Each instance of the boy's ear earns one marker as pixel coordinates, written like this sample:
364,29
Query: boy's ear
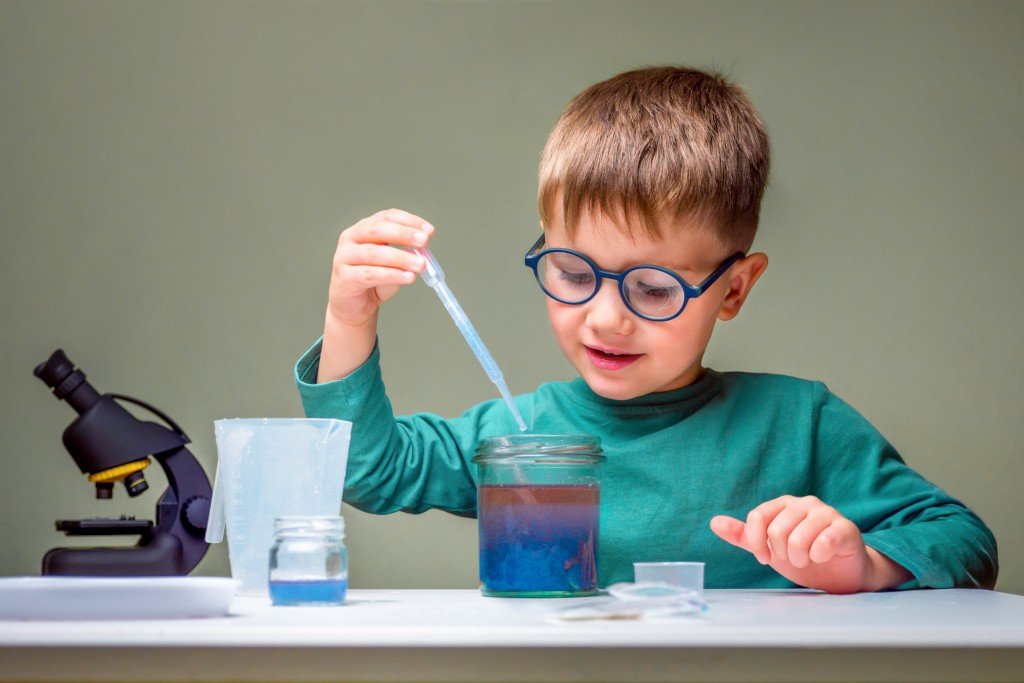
744,274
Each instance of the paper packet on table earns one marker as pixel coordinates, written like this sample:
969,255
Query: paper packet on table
634,601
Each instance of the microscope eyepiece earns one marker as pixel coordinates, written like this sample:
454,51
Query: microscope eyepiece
67,382
54,369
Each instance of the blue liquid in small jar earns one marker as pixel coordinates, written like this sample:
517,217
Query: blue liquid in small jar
312,592
308,561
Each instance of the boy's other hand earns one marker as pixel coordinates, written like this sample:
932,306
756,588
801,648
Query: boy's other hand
369,267
812,545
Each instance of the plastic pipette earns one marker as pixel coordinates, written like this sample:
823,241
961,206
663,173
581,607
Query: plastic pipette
433,276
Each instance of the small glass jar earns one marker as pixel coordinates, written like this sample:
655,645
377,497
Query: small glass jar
538,502
308,561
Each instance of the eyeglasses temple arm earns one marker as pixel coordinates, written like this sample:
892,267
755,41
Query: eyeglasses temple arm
710,279
535,247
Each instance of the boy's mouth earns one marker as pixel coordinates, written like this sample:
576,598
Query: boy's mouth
604,360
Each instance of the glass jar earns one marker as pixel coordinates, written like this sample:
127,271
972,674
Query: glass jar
538,501
308,561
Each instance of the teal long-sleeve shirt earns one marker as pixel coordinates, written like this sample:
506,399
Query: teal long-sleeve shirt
675,459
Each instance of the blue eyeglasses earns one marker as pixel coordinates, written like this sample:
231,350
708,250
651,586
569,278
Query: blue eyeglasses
651,292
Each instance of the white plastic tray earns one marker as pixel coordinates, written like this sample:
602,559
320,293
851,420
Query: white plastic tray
87,598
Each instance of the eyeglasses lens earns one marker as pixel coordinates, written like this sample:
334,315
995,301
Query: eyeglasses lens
654,293
566,277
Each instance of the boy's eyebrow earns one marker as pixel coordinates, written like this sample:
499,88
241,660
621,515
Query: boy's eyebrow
671,266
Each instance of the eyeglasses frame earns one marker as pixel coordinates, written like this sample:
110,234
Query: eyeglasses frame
532,260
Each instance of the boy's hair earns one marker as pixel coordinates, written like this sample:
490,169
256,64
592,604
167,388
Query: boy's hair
659,142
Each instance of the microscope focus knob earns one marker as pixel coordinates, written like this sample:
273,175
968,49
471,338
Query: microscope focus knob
195,513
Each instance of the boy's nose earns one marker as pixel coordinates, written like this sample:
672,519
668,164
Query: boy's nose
607,312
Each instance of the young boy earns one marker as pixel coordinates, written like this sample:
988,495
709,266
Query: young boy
650,190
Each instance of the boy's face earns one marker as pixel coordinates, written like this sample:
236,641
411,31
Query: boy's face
648,356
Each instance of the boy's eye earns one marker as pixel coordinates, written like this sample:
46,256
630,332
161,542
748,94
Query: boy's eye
577,279
567,276
654,295
653,292
656,292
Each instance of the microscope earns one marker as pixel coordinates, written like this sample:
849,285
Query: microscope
110,445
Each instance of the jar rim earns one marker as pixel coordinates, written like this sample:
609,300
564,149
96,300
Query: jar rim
547,448
325,525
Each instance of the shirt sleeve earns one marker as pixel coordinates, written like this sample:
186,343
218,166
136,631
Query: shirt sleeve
900,513
410,463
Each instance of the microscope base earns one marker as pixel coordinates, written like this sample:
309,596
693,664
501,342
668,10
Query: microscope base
160,556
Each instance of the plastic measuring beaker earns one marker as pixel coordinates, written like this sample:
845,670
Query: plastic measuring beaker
269,468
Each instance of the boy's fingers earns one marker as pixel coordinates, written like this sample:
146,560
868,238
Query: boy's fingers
756,532
802,538
385,256
779,530
728,529
388,232
401,217
824,547
841,537
375,276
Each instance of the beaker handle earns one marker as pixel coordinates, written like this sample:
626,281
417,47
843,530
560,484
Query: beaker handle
215,524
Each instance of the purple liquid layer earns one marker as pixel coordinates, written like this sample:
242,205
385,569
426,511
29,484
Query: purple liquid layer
538,538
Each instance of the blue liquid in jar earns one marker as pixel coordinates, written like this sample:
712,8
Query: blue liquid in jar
309,592
538,541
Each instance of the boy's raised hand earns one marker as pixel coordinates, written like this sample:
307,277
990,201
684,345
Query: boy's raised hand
368,269
812,545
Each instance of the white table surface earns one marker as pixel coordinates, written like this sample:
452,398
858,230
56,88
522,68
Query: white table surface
461,635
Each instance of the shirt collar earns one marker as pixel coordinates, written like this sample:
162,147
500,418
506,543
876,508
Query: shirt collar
686,400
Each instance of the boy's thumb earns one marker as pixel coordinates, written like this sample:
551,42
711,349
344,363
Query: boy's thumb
728,529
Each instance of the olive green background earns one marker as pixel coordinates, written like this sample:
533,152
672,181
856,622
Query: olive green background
173,178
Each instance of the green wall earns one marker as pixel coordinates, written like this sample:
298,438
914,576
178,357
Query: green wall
173,177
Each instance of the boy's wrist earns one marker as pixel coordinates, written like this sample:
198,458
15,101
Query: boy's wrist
884,573
345,347
334,323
